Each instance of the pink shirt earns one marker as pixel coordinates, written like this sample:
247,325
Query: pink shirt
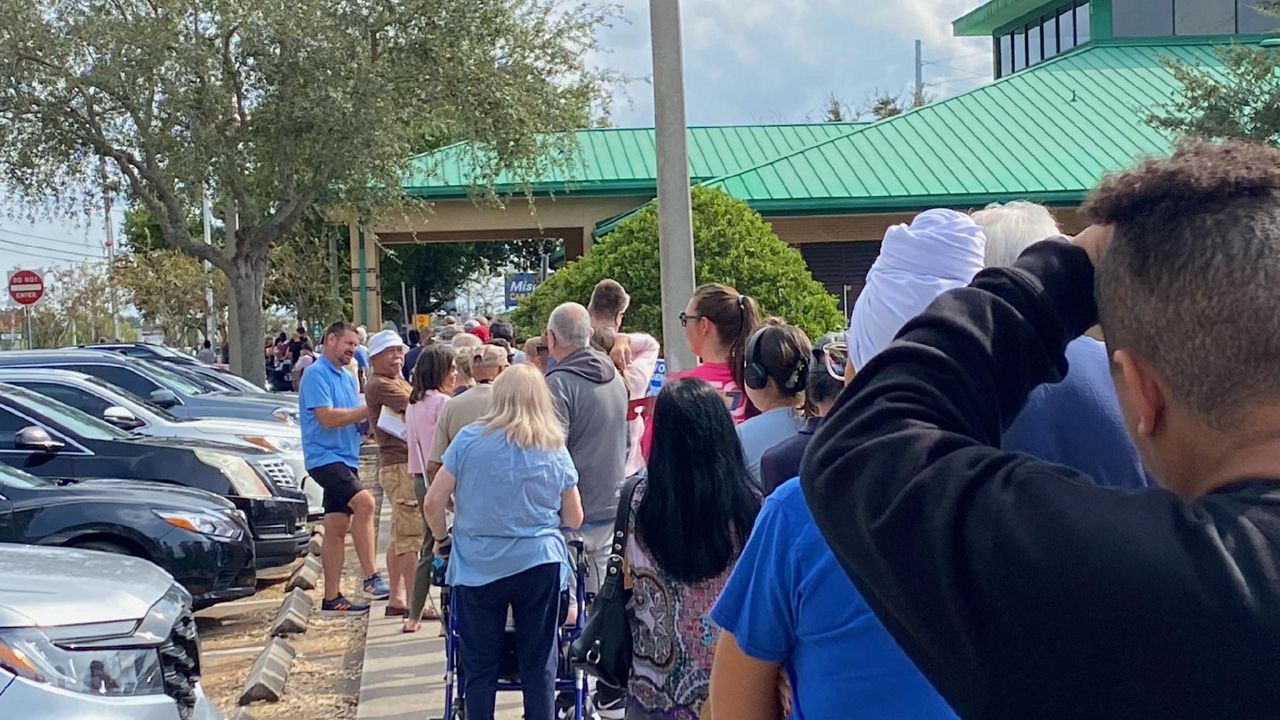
718,376
420,428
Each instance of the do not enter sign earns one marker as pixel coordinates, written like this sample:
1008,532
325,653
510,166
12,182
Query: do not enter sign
26,287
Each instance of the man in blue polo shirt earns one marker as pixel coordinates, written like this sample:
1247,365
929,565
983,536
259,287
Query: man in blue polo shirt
330,407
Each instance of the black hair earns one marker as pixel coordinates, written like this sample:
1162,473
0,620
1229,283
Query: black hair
502,329
282,338
430,371
699,506
208,344
414,337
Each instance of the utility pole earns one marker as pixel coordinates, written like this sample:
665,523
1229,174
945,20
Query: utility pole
210,318
231,222
111,250
919,90
675,213
333,264
404,306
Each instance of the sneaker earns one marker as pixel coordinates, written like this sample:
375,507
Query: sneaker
610,702
342,606
376,587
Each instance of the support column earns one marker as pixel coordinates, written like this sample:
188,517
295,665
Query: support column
366,278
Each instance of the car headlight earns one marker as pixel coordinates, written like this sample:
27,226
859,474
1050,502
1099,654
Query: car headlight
286,415
31,654
244,480
203,523
274,443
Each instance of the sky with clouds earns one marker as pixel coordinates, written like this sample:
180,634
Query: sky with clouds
746,61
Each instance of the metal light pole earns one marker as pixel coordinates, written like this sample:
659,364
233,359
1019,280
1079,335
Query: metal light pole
111,251
210,318
675,214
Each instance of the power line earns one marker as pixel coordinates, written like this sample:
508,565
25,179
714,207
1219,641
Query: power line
51,253
44,237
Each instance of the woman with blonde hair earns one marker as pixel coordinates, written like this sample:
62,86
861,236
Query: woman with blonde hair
514,487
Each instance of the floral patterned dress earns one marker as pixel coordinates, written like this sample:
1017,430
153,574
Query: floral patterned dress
673,636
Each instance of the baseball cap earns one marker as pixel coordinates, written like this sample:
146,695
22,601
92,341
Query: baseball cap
490,356
384,340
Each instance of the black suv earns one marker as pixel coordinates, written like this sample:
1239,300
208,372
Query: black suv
197,537
49,439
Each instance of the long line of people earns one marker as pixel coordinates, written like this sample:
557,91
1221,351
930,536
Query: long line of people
968,530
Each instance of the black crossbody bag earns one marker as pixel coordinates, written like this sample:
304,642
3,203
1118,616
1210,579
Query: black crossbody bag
604,648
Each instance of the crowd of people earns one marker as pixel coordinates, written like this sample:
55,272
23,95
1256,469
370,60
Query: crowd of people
962,505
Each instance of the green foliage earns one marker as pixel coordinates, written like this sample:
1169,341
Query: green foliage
439,270
277,107
1239,101
732,245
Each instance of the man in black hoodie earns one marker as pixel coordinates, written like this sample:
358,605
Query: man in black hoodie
1019,588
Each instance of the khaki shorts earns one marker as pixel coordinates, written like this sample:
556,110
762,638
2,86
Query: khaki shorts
407,523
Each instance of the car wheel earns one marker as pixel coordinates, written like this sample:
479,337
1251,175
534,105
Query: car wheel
105,546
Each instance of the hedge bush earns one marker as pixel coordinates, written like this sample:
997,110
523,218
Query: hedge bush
732,245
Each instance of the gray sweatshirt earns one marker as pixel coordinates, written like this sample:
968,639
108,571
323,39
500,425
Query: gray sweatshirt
591,399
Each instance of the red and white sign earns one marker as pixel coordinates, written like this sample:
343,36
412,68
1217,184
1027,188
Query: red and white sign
26,287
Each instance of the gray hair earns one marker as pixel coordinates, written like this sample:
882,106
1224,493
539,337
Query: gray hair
465,340
572,325
1013,227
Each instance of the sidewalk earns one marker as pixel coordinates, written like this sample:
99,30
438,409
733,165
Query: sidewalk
403,677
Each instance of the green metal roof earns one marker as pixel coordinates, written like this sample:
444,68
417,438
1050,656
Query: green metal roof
613,161
988,18
1048,133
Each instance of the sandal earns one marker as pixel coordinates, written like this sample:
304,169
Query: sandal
396,612
431,613
410,627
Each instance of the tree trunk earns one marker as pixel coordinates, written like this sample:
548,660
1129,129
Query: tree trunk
247,330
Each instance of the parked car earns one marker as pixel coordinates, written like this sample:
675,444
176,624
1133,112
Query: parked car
225,381
157,384
86,634
53,440
145,351
131,414
197,537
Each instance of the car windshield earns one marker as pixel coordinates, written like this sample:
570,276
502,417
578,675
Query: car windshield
116,395
71,419
173,381
235,382
13,477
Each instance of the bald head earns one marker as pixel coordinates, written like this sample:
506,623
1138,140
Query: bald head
568,330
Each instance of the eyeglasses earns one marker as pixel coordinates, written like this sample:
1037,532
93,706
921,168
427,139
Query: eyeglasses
835,356
686,317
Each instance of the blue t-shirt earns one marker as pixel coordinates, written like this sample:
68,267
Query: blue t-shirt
506,507
324,385
1077,422
362,357
764,431
789,602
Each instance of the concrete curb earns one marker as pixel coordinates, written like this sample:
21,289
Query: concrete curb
270,672
313,547
291,619
307,574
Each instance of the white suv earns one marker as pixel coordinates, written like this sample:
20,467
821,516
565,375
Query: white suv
85,634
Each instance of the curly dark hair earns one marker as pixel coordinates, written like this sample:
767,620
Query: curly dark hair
1191,281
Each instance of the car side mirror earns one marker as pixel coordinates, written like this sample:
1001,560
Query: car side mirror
122,418
36,439
164,398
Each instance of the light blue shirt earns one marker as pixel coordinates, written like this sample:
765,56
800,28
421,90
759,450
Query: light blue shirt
326,386
764,431
788,602
506,507
362,357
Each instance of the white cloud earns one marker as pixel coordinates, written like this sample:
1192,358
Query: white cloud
759,61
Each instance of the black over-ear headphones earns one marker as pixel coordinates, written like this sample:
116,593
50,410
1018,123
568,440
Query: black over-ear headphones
757,375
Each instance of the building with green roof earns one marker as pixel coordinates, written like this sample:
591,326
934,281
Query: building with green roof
1075,81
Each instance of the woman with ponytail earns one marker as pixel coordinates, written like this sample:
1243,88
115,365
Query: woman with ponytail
717,324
